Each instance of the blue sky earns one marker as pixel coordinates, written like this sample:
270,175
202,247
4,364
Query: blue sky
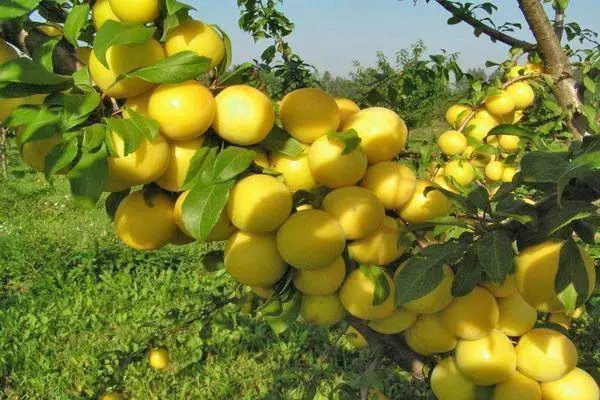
331,34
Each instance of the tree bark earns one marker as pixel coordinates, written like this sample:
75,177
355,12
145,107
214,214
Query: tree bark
3,152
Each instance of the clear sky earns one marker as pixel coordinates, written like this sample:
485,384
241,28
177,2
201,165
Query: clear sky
331,34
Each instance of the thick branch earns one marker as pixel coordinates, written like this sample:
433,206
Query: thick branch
559,23
485,29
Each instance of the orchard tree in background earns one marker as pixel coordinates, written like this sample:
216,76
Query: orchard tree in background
460,253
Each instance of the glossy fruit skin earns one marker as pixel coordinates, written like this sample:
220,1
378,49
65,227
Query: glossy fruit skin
436,300
522,94
307,114
295,170
358,210
473,316
379,248
311,239
198,37
508,174
122,59
181,154
263,292
482,114
141,11
347,109
184,111
517,317
509,143
487,361
34,153
448,383
421,207
517,387
331,168
102,12
457,114
545,355
383,133
356,339
139,104
500,104
428,336
159,358
322,310
357,295
461,171
576,385
393,183
321,281
536,270
452,143
397,322
244,115
145,227
252,259
494,170
479,128
221,231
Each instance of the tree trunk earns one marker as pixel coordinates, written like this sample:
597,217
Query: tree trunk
3,152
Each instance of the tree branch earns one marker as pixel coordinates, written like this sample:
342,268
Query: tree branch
485,29
559,23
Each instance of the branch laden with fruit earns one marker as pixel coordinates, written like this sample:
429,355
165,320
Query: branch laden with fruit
459,253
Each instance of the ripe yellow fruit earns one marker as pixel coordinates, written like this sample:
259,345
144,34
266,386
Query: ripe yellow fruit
507,288
322,310
380,248
452,143
145,226
448,383
516,316
221,231
112,396
393,183
561,319
34,153
473,316
534,68
145,164
331,168
311,239
522,94
516,71
518,387
482,114
263,292
358,210
397,322
307,114
159,358
545,355
259,204
198,37
347,109
440,180
509,143
428,336
181,154
514,117
295,170
494,170
575,385
102,12
500,104
383,133
487,361
252,259
138,104
356,339
421,207
461,171
244,115
509,173
183,110
141,11
536,270
83,55
457,114
479,128
436,300
7,52
121,60
358,294
321,281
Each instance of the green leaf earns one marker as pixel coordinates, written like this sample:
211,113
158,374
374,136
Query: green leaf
203,206
60,157
479,198
10,9
571,282
313,197
93,136
468,274
379,279
236,76
45,124
495,254
201,165
589,83
518,210
231,162
76,20
145,125
288,314
180,67
521,132
83,80
280,141
174,19
88,177
128,131
26,71
543,167
78,107
112,202
350,139
226,62
43,53
113,33
559,217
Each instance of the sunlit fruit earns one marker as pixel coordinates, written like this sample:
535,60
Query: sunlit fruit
263,292
83,54
146,223
536,271
500,104
356,339
561,319
517,387
159,358
575,385
102,12
509,173
295,170
577,313
380,248
141,11
509,143
514,117
437,299
452,143
259,203
482,114
383,133
321,281
331,168
181,154
222,230
138,104
516,316
516,71
307,114
122,59
322,310
197,37
393,183
183,110
425,206
522,94
358,210
479,128
545,355
494,170
244,115
50,30
472,316
311,239
397,322
457,114
34,153
487,361
460,171
252,259
358,296
347,109
448,383
428,336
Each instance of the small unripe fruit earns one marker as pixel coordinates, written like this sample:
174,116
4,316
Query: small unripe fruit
452,143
